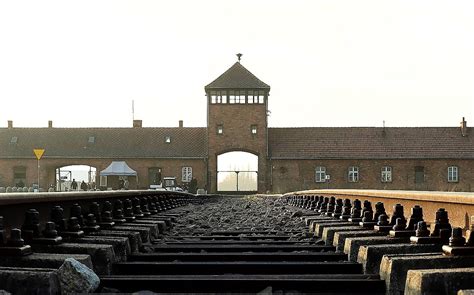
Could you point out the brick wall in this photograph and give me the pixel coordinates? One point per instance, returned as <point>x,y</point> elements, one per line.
<point>285,175</point>
<point>236,120</point>
<point>170,167</point>
<point>292,175</point>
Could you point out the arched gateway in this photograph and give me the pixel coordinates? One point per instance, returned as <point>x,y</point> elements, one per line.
<point>237,172</point>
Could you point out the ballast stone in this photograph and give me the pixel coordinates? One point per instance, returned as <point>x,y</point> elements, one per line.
<point>75,277</point>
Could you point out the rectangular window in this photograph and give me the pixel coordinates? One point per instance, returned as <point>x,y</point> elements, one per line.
<point>154,176</point>
<point>218,97</point>
<point>220,129</point>
<point>453,175</point>
<point>19,176</point>
<point>186,174</point>
<point>253,129</point>
<point>353,174</point>
<point>242,97</point>
<point>386,174</point>
<point>261,96</point>
<point>213,96</point>
<point>232,97</point>
<point>222,97</point>
<point>320,174</point>
<point>250,97</point>
<point>419,174</point>
<point>103,181</point>
<point>168,139</point>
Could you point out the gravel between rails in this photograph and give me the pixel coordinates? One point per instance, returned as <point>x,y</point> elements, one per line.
<point>240,213</point>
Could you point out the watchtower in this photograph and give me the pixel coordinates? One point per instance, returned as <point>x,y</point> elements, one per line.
<point>237,108</point>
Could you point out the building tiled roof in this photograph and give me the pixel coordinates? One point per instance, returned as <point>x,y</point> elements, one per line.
<point>104,142</point>
<point>284,143</point>
<point>237,77</point>
<point>370,143</point>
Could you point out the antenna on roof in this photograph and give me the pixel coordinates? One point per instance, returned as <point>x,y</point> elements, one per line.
<point>239,56</point>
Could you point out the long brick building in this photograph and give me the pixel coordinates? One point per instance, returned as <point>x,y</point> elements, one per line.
<point>270,159</point>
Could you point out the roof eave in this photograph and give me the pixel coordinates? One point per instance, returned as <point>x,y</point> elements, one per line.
<point>208,87</point>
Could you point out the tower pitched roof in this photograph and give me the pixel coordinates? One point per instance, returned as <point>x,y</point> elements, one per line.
<point>237,76</point>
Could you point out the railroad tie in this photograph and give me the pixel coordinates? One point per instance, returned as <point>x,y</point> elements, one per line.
<point>297,242</point>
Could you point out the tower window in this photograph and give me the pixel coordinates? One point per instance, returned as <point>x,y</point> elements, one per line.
<point>223,97</point>
<point>250,96</point>
<point>237,96</point>
<point>232,97</point>
<point>168,139</point>
<point>220,129</point>
<point>261,96</point>
<point>218,97</point>
<point>242,96</point>
<point>253,129</point>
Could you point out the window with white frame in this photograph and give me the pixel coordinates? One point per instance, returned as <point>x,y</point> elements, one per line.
<point>261,96</point>
<point>218,97</point>
<point>233,96</point>
<point>241,96</point>
<point>103,180</point>
<point>386,174</point>
<point>353,174</point>
<point>320,174</point>
<point>186,174</point>
<point>250,97</point>
<point>453,174</point>
<point>222,98</point>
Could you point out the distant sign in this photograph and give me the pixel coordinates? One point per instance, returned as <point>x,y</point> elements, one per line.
<point>39,153</point>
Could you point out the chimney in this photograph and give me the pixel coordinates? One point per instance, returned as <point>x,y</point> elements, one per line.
<point>464,127</point>
<point>180,123</point>
<point>10,124</point>
<point>50,124</point>
<point>137,123</point>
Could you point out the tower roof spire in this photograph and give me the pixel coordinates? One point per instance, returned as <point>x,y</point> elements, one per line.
<point>239,56</point>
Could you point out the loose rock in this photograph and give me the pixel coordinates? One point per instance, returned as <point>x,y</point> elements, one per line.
<point>75,277</point>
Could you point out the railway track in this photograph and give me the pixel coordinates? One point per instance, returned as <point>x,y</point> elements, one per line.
<point>175,242</point>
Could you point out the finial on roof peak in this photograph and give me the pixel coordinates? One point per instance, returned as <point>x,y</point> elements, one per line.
<point>239,56</point>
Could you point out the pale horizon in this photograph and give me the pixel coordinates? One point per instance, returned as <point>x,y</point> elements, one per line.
<point>329,64</point>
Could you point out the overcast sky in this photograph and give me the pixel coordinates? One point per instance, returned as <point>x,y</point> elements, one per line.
<point>329,63</point>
